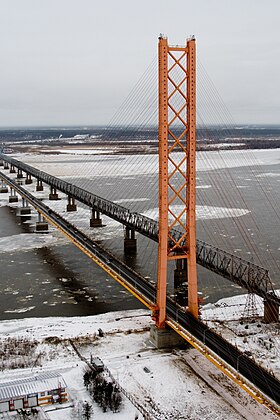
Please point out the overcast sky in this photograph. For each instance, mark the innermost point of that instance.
(73, 62)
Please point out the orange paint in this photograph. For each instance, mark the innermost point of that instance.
(177, 108)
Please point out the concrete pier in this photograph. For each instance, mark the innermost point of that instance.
(130, 242)
(1, 163)
(12, 169)
(165, 337)
(3, 188)
(20, 174)
(271, 312)
(53, 194)
(71, 206)
(28, 179)
(39, 186)
(6, 165)
(95, 220)
(13, 198)
(25, 209)
(42, 224)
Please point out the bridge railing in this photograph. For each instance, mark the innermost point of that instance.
(251, 276)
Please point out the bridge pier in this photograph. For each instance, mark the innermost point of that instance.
(3, 188)
(19, 174)
(28, 179)
(13, 197)
(42, 224)
(12, 169)
(39, 186)
(25, 209)
(271, 311)
(165, 337)
(1, 163)
(130, 242)
(53, 194)
(95, 220)
(6, 165)
(71, 206)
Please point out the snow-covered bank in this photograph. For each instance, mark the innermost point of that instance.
(179, 384)
(261, 341)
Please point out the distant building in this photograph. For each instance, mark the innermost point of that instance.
(47, 388)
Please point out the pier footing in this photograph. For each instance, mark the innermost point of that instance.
(13, 199)
(42, 226)
(165, 337)
(23, 211)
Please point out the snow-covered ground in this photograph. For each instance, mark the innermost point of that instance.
(168, 384)
(230, 317)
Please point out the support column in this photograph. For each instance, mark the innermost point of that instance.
(25, 209)
(12, 169)
(28, 179)
(3, 188)
(1, 163)
(13, 197)
(6, 165)
(177, 133)
(71, 206)
(39, 186)
(53, 194)
(271, 311)
(165, 337)
(19, 174)
(129, 240)
(42, 224)
(95, 220)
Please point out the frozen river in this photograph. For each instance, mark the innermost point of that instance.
(44, 275)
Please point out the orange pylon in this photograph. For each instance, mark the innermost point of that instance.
(177, 152)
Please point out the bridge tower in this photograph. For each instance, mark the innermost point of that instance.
(177, 168)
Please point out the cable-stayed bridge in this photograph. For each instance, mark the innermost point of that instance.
(254, 278)
(176, 186)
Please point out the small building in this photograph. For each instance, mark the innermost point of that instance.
(97, 363)
(43, 389)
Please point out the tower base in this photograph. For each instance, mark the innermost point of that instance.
(165, 337)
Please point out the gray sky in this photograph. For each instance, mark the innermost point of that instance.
(72, 62)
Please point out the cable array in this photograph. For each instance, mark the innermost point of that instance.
(131, 179)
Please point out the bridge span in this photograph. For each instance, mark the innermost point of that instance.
(246, 274)
(258, 382)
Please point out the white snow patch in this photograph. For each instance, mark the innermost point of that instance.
(203, 212)
(25, 241)
(167, 388)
